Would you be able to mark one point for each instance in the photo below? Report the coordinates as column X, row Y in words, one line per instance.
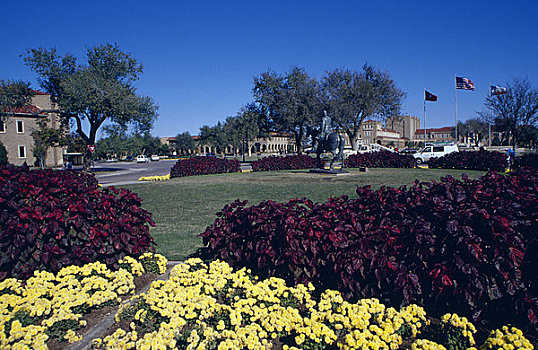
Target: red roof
column 389, row 130
column 29, row 109
column 36, row 92
column 444, row 129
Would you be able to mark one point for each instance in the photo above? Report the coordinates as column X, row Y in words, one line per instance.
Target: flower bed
column 53, row 307
column 203, row 166
column 51, row 219
column 381, row 159
column 272, row 163
column 465, row 246
column 528, row 160
column 215, row 307
column 155, row 178
column 471, row 160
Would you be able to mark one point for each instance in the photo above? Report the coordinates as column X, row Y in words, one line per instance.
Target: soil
column 94, row 317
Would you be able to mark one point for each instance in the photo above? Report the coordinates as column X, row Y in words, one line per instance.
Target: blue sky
column 200, row 57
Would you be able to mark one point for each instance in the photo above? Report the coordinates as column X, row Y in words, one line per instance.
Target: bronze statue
column 326, row 140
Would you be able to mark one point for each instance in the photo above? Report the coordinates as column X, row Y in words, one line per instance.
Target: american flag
column 464, row 83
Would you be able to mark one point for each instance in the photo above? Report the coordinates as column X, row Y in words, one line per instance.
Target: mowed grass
column 183, row 207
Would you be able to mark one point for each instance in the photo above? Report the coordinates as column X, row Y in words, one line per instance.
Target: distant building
column 16, row 131
column 436, row 135
column 275, row 143
column 404, row 125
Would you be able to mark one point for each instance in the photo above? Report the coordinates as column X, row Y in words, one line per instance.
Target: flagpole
column 489, row 123
column 455, row 110
column 424, row 117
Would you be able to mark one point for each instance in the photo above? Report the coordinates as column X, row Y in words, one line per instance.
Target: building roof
column 389, row 130
column 27, row 110
column 443, row 129
column 37, row 92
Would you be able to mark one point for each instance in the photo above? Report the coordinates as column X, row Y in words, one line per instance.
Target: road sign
column 91, row 148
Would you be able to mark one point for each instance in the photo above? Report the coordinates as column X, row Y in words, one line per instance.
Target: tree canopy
column 513, row 111
column 100, row 90
column 290, row 101
column 14, row 94
column 353, row 96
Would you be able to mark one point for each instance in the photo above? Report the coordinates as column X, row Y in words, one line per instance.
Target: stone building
column 16, row 131
column 436, row 135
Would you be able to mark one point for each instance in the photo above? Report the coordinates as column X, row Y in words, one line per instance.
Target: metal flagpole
column 489, row 125
column 455, row 110
column 424, row 117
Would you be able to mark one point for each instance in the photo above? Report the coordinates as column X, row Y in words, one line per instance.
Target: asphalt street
column 124, row 173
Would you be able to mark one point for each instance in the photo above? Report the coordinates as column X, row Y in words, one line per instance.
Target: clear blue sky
column 200, row 57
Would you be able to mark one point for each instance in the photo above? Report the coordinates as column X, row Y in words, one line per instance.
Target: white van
column 434, row 151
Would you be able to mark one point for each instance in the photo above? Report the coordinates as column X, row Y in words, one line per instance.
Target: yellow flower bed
column 155, row 178
column 48, row 305
column 214, row 307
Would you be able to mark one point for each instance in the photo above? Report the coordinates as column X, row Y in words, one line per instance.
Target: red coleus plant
column 204, row 166
column 471, row 160
column 464, row 246
column 51, row 219
column 284, row 163
column 381, row 159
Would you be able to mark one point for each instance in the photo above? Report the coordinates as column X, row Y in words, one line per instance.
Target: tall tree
column 101, row 90
column 244, row 127
column 291, row 101
column 184, row 142
column 513, row 110
column 215, row 136
column 13, row 94
column 355, row 96
column 475, row 129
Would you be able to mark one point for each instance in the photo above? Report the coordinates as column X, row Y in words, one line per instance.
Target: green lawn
column 183, row 207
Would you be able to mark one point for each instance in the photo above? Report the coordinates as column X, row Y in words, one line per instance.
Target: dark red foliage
column 464, row 246
column 51, row 219
column 381, row 159
column 204, row 166
column 528, row 160
column 471, row 160
column 284, row 163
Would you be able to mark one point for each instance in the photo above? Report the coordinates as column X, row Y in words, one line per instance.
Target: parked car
column 142, row 159
column 154, row 158
column 434, row 151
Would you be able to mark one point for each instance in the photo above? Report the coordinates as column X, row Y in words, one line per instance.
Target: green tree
column 101, row 90
column 244, row 127
column 46, row 137
column 215, row 136
column 291, row 102
column 514, row 110
column 354, row 96
column 475, row 129
column 13, row 94
column 184, row 143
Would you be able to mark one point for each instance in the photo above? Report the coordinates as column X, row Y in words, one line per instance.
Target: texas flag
column 497, row 90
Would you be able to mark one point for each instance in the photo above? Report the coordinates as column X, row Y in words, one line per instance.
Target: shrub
column 3, row 154
column 284, row 163
column 381, row 159
column 465, row 246
column 529, row 160
column 51, row 219
column 471, row 160
column 204, row 166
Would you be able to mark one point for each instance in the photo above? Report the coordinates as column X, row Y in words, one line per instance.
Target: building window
column 2, row 127
column 20, row 127
column 22, row 151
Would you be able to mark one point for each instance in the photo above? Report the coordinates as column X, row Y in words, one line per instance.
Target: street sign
column 91, row 148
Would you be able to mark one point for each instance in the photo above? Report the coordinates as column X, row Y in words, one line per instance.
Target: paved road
column 121, row 173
